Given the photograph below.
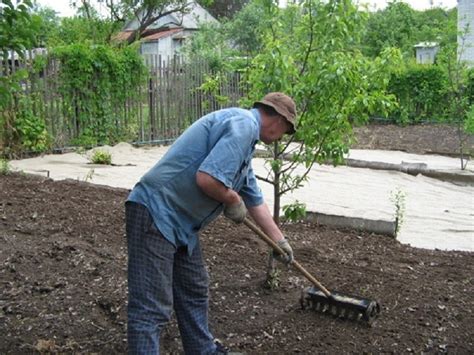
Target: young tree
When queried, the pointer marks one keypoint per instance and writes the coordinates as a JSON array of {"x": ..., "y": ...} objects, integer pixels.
[
  {"x": 460, "y": 109},
  {"x": 310, "y": 52}
]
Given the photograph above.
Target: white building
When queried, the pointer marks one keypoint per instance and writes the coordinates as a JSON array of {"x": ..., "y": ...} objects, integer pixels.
[
  {"x": 426, "y": 52},
  {"x": 466, "y": 29},
  {"x": 166, "y": 35}
]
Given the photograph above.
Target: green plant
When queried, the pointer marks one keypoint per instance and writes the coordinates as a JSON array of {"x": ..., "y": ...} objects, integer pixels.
[
  {"x": 421, "y": 93},
  {"x": 96, "y": 82},
  {"x": 295, "y": 211},
  {"x": 398, "y": 198},
  {"x": 101, "y": 157},
  {"x": 310, "y": 52},
  {"x": 4, "y": 167}
]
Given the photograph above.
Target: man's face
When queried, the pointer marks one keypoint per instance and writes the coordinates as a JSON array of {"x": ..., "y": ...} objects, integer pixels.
[{"x": 276, "y": 128}]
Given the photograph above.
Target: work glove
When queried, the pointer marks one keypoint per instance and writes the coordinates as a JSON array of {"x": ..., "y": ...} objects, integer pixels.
[
  {"x": 288, "y": 257},
  {"x": 236, "y": 212}
]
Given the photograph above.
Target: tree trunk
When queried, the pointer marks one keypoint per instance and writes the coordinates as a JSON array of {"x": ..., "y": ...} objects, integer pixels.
[{"x": 276, "y": 187}]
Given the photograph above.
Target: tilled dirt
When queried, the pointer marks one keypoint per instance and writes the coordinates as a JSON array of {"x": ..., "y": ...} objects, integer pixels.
[
  {"x": 440, "y": 139},
  {"x": 63, "y": 282}
]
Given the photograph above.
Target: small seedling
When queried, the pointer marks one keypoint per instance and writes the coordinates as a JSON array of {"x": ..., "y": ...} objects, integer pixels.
[
  {"x": 398, "y": 198},
  {"x": 101, "y": 157},
  {"x": 89, "y": 175}
]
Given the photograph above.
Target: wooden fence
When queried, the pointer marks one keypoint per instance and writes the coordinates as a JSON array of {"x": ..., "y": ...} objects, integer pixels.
[
  {"x": 176, "y": 96},
  {"x": 169, "y": 101}
]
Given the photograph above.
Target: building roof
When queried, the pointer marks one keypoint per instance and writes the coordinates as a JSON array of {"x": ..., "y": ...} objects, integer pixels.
[{"x": 426, "y": 45}]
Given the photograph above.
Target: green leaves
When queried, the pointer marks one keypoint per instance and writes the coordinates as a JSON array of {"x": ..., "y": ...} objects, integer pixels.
[
  {"x": 94, "y": 80},
  {"x": 315, "y": 58}
]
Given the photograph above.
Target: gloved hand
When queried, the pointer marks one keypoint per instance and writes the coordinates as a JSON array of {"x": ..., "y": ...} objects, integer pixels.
[
  {"x": 288, "y": 257},
  {"x": 236, "y": 212}
]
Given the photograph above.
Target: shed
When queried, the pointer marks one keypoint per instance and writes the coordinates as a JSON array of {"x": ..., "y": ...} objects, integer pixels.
[{"x": 426, "y": 52}]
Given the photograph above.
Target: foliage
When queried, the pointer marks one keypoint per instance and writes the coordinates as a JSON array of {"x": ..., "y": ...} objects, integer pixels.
[
  {"x": 49, "y": 24},
  {"x": 458, "y": 93},
  {"x": 295, "y": 211},
  {"x": 310, "y": 52},
  {"x": 392, "y": 27},
  {"x": 421, "y": 93},
  {"x": 101, "y": 157},
  {"x": 217, "y": 56},
  {"x": 145, "y": 12},
  {"x": 233, "y": 45},
  {"x": 223, "y": 8},
  {"x": 211, "y": 89},
  {"x": 252, "y": 16},
  {"x": 4, "y": 167},
  {"x": 94, "y": 80},
  {"x": 400, "y": 26},
  {"x": 30, "y": 129},
  {"x": 17, "y": 33}
]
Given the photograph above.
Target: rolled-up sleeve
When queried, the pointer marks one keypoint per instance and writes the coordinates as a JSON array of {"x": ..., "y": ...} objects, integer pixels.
[{"x": 226, "y": 157}]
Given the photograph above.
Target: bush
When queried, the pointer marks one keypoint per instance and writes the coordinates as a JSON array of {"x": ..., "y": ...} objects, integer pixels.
[
  {"x": 4, "y": 167},
  {"x": 101, "y": 157},
  {"x": 420, "y": 90}
]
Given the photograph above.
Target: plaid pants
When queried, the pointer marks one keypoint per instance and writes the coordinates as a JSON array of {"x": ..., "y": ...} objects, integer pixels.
[{"x": 162, "y": 277}]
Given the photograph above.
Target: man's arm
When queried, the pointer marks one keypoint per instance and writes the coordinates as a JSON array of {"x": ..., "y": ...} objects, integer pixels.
[
  {"x": 216, "y": 189},
  {"x": 261, "y": 214}
]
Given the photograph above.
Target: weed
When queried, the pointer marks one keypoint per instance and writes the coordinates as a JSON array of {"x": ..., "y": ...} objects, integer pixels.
[
  {"x": 101, "y": 157},
  {"x": 4, "y": 167},
  {"x": 89, "y": 175}
]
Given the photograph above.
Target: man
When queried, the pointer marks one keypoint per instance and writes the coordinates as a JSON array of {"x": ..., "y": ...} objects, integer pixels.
[{"x": 206, "y": 171}]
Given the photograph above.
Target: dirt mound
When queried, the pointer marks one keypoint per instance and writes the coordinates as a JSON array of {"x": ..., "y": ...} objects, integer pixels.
[
  {"x": 63, "y": 272},
  {"x": 419, "y": 139}
]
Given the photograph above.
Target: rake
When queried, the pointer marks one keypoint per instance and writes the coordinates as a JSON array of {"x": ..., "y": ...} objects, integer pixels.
[{"x": 320, "y": 298}]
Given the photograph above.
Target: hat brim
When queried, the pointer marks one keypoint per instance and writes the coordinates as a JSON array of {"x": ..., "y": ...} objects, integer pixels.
[{"x": 280, "y": 112}]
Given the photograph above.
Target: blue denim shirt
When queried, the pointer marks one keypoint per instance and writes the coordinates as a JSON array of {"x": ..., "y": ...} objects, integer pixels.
[{"x": 220, "y": 144}]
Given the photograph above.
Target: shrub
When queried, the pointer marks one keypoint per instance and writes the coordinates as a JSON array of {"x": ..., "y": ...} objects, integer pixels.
[
  {"x": 101, "y": 157},
  {"x": 4, "y": 167},
  {"x": 420, "y": 90}
]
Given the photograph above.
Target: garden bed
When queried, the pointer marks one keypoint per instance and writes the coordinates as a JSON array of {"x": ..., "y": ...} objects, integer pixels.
[{"x": 63, "y": 272}]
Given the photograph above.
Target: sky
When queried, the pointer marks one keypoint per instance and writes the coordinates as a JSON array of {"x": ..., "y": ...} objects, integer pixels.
[{"x": 63, "y": 8}]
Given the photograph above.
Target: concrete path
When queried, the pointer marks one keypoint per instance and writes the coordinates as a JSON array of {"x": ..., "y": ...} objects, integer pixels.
[{"x": 437, "y": 215}]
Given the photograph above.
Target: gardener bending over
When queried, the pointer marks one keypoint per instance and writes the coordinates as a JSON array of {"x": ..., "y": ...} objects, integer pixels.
[{"x": 206, "y": 171}]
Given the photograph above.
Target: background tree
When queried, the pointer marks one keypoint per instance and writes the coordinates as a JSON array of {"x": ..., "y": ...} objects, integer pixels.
[
  {"x": 18, "y": 31},
  {"x": 395, "y": 26},
  {"x": 223, "y": 8},
  {"x": 145, "y": 12}
]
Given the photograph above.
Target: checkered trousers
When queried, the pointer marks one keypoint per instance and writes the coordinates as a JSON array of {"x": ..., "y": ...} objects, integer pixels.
[{"x": 162, "y": 277}]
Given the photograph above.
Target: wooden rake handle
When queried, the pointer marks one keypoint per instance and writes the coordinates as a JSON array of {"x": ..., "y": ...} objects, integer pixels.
[{"x": 279, "y": 250}]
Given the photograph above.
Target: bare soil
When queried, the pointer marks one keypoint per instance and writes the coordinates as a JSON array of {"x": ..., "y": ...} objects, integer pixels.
[
  {"x": 63, "y": 282},
  {"x": 440, "y": 139}
]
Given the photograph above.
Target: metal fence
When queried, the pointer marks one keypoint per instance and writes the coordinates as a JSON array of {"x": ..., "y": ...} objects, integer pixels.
[{"x": 170, "y": 100}]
